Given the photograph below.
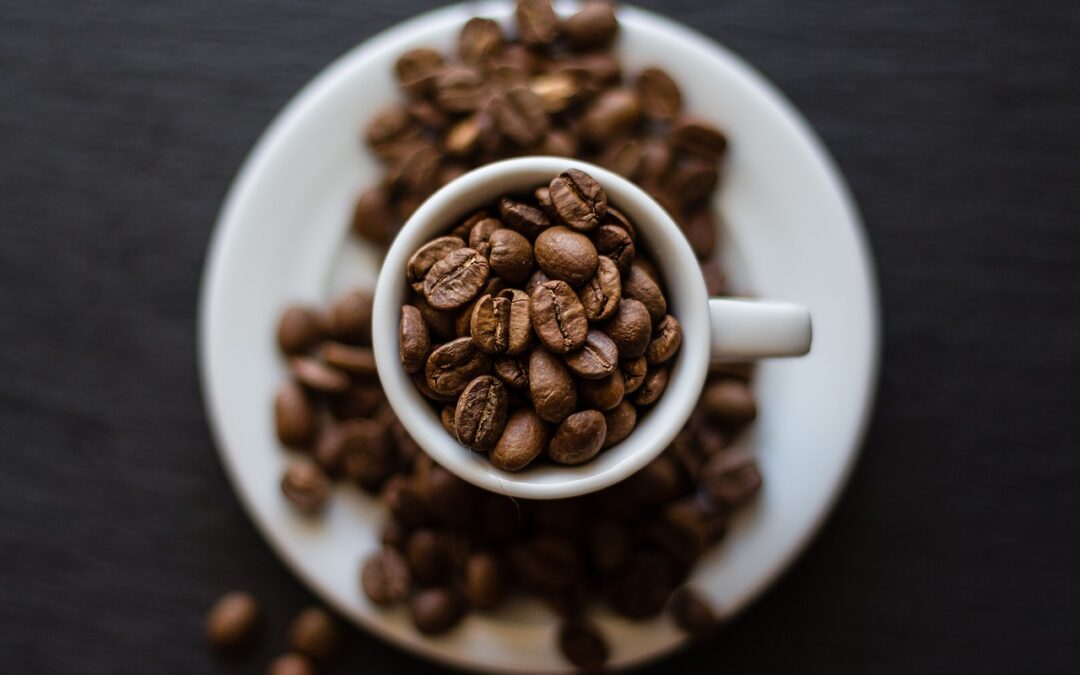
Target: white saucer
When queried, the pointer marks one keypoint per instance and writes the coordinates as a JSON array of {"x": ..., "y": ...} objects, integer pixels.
[{"x": 282, "y": 237}]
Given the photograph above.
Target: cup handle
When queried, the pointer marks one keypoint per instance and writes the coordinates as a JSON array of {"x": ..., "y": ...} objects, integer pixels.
[{"x": 752, "y": 329}]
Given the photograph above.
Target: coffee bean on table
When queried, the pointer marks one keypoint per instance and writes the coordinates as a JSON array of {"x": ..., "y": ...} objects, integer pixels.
[
  {"x": 583, "y": 645},
  {"x": 315, "y": 634},
  {"x": 660, "y": 96},
  {"x": 481, "y": 413},
  {"x": 385, "y": 577},
  {"x": 598, "y": 357},
  {"x": 523, "y": 439},
  {"x": 456, "y": 279},
  {"x": 667, "y": 336},
  {"x": 655, "y": 382},
  {"x": 294, "y": 415},
  {"x": 435, "y": 610},
  {"x": 453, "y": 365},
  {"x": 615, "y": 243},
  {"x": 291, "y": 664},
  {"x": 691, "y": 612},
  {"x": 306, "y": 486},
  {"x": 299, "y": 329},
  {"x": 578, "y": 199},
  {"x": 414, "y": 339},
  {"x": 578, "y": 438},
  {"x": 551, "y": 387},
  {"x": 603, "y": 394},
  {"x": 567, "y": 255},
  {"x": 511, "y": 255},
  {"x": 558, "y": 317},
  {"x": 232, "y": 620},
  {"x": 350, "y": 318},
  {"x": 731, "y": 477},
  {"x": 528, "y": 220},
  {"x": 630, "y": 328}
]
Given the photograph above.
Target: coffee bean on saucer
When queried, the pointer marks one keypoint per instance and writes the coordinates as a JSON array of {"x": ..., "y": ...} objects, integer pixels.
[
  {"x": 294, "y": 415},
  {"x": 385, "y": 577},
  {"x": 416, "y": 70},
  {"x": 660, "y": 95},
  {"x": 306, "y": 486},
  {"x": 435, "y": 610},
  {"x": 691, "y": 612},
  {"x": 594, "y": 25},
  {"x": 485, "y": 580},
  {"x": 729, "y": 400},
  {"x": 731, "y": 477},
  {"x": 350, "y": 318},
  {"x": 536, "y": 21},
  {"x": 583, "y": 645},
  {"x": 299, "y": 329},
  {"x": 318, "y": 376}
]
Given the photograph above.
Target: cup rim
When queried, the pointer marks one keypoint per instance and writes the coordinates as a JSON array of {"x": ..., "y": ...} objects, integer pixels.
[{"x": 688, "y": 301}]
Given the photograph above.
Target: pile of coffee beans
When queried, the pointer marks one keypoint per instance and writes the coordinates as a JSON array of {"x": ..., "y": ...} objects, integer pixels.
[
  {"x": 539, "y": 330},
  {"x": 314, "y": 639},
  {"x": 548, "y": 85}
]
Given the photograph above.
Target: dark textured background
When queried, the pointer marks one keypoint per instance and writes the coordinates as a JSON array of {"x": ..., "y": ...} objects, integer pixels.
[{"x": 955, "y": 549}]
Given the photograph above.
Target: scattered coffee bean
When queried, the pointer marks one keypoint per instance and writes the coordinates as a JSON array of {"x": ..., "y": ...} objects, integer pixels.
[
  {"x": 385, "y": 577},
  {"x": 691, "y": 613},
  {"x": 730, "y": 401},
  {"x": 660, "y": 96},
  {"x": 350, "y": 318},
  {"x": 520, "y": 116},
  {"x": 435, "y": 610},
  {"x": 537, "y": 23},
  {"x": 318, "y": 376},
  {"x": 480, "y": 39},
  {"x": 306, "y": 485},
  {"x": 416, "y": 70},
  {"x": 593, "y": 26},
  {"x": 232, "y": 620},
  {"x": 291, "y": 664},
  {"x": 298, "y": 330},
  {"x": 315, "y": 634},
  {"x": 485, "y": 580},
  {"x": 353, "y": 360},
  {"x": 699, "y": 138},
  {"x": 611, "y": 115},
  {"x": 731, "y": 478},
  {"x": 294, "y": 415},
  {"x": 583, "y": 645}
]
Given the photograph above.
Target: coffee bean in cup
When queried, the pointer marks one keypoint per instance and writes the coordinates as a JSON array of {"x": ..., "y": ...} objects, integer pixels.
[{"x": 582, "y": 322}]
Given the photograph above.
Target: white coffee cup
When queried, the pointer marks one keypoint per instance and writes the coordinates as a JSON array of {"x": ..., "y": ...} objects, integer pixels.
[{"x": 713, "y": 329}]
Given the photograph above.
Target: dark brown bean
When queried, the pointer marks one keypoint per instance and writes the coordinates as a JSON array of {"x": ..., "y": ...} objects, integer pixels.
[
  {"x": 446, "y": 416},
  {"x": 414, "y": 340},
  {"x": 430, "y": 557},
  {"x": 385, "y": 577},
  {"x": 699, "y": 138},
  {"x": 520, "y": 116},
  {"x": 535, "y": 279},
  {"x": 512, "y": 372},
  {"x": 601, "y": 294},
  {"x": 558, "y": 143},
  {"x": 318, "y": 376},
  {"x": 391, "y": 130},
  {"x": 435, "y": 610},
  {"x": 634, "y": 371},
  {"x": 701, "y": 231},
  {"x": 656, "y": 161},
  {"x": 556, "y": 91},
  {"x": 620, "y": 422},
  {"x": 693, "y": 180},
  {"x": 551, "y": 387},
  {"x": 614, "y": 113},
  {"x": 640, "y": 286},
  {"x": 373, "y": 217},
  {"x": 460, "y": 89},
  {"x": 592, "y": 27},
  {"x": 578, "y": 438},
  {"x": 294, "y": 415},
  {"x": 567, "y": 255},
  {"x": 456, "y": 279},
  {"x": 428, "y": 116},
  {"x": 414, "y": 173},
  {"x": 489, "y": 324},
  {"x": 614, "y": 242},
  {"x": 362, "y": 399},
  {"x": 480, "y": 39},
  {"x": 306, "y": 486},
  {"x": 730, "y": 401},
  {"x": 523, "y": 439},
  {"x": 465, "y": 136},
  {"x": 351, "y": 359},
  {"x": 731, "y": 477},
  {"x": 691, "y": 612},
  {"x": 579, "y": 199},
  {"x": 625, "y": 157},
  {"x": 367, "y": 456},
  {"x": 453, "y": 365},
  {"x": 298, "y": 330},
  {"x": 511, "y": 255},
  {"x": 655, "y": 382},
  {"x": 558, "y": 319},
  {"x": 641, "y": 587},
  {"x": 480, "y": 235},
  {"x": 528, "y": 220},
  {"x": 630, "y": 328},
  {"x": 350, "y": 318},
  {"x": 660, "y": 96},
  {"x": 715, "y": 279},
  {"x": 666, "y": 338},
  {"x": 602, "y": 394},
  {"x": 481, "y": 413},
  {"x": 291, "y": 664},
  {"x": 582, "y": 644},
  {"x": 421, "y": 382},
  {"x": 232, "y": 620},
  {"x": 520, "y": 321},
  {"x": 598, "y": 357},
  {"x": 440, "y": 323},
  {"x": 536, "y": 22},
  {"x": 315, "y": 633},
  {"x": 416, "y": 70}
]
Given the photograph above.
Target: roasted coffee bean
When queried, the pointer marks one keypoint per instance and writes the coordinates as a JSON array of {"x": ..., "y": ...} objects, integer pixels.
[
  {"x": 358, "y": 361},
  {"x": 700, "y": 230},
  {"x": 481, "y": 413},
  {"x": 581, "y": 641},
  {"x": 520, "y": 116},
  {"x": 385, "y": 577},
  {"x": 625, "y": 157},
  {"x": 693, "y": 180},
  {"x": 315, "y": 633},
  {"x": 536, "y": 22},
  {"x": 456, "y": 279},
  {"x": 390, "y": 131},
  {"x": 463, "y": 320},
  {"x": 640, "y": 286},
  {"x": 729, "y": 401},
  {"x": 291, "y": 664},
  {"x": 421, "y": 382},
  {"x": 660, "y": 96},
  {"x": 731, "y": 477},
  {"x": 535, "y": 279},
  {"x": 641, "y": 587},
  {"x": 666, "y": 338},
  {"x": 579, "y": 199},
  {"x": 697, "y": 137},
  {"x": 601, "y": 294},
  {"x": 680, "y": 531},
  {"x": 485, "y": 580},
  {"x": 602, "y": 394},
  {"x": 578, "y": 438},
  {"x": 614, "y": 113},
  {"x": 598, "y": 357},
  {"x": 428, "y": 116},
  {"x": 435, "y": 610},
  {"x": 416, "y": 70},
  {"x": 414, "y": 340},
  {"x": 523, "y": 439},
  {"x": 558, "y": 143},
  {"x": 405, "y": 503},
  {"x": 480, "y": 39},
  {"x": 591, "y": 27},
  {"x": 528, "y": 220},
  {"x": 556, "y": 91},
  {"x": 394, "y": 534},
  {"x": 318, "y": 376},
  {"x": 460, "y": 89},
  {"x": 464, "y": 137},
  {"x": 294, "y": 415},
  {"x": 655, "y": 382},
  {"x": 616, "y": 217},
  {"x": 489, "y": 324},
  {"x": 543, "y": 198},
  {"x": 414, "y": 172},
  {"x": 480, "y": 235},
  {"x": 567, "y": 255},
  {"x": 373, "y": 218},
  {"x": 551, "y": 387},
  {"x": 645, "y": 265},
  {"x": 511, "y": 256},
  {"x": 620, "y": 421},
  {"x": 453, "y": 365},
  {"x": 368, "y": 458},
  {"x": 440, "y": 323},
  {"x": 446, "y": 416},
  {"x": 558, "y": 317},
  {"x": 306, "y": 486},
  {"x": 430, "y": 557},
  {"x": 634, "y": 371},
  {"x": 520, "y": 321},
  {"x": 362, "y": 399},
  {"x": 630, "y": 328},
  {"x": 656, "y": 160},
  {"x": 547, "y": 561},
  {"x": 512, "y": 372},
  {"x": 330, "y": 449},
  {"x": 691, "y": 612},
  {"x": 232, "y": 620},
  {"x": 298, "y": 330},
  {"x": 615, "y": 243},
  {"x": 350, "y": 318}
]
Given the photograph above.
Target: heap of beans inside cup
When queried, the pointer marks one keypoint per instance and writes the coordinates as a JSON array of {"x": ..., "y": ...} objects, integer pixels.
[
  {"x": 448, "y": 547},
  {"x": 539, "y": 329}
]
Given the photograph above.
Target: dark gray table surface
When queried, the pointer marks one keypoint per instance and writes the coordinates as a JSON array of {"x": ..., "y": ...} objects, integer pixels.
[{"x": 955, "y": 548}]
